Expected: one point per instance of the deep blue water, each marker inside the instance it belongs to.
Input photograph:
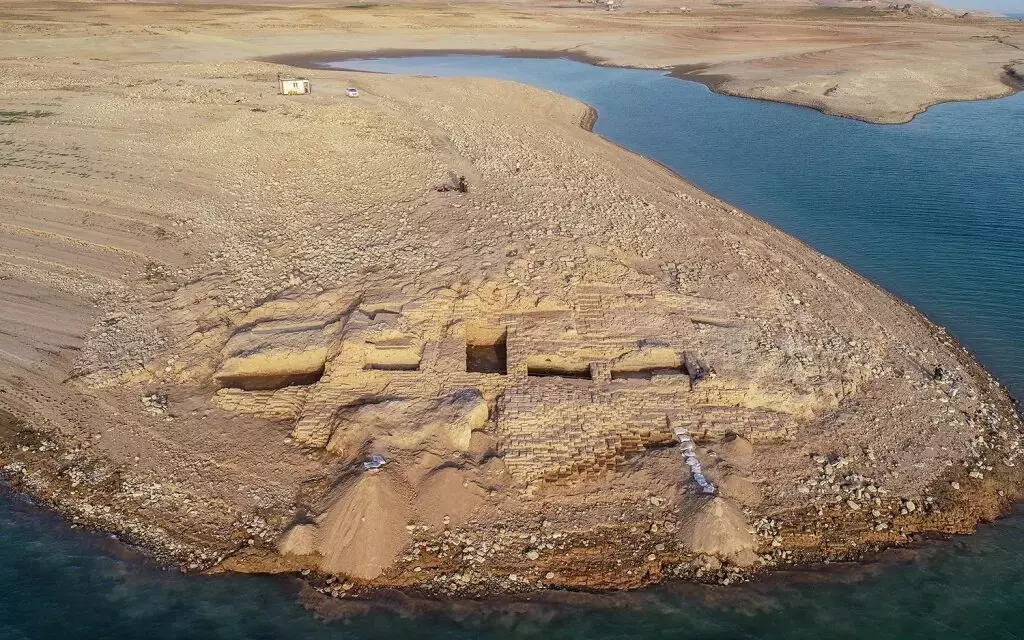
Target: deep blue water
(933, 210)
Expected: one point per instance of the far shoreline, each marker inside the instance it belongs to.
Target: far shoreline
(317, 60)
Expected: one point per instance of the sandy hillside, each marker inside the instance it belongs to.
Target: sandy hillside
(219, 304)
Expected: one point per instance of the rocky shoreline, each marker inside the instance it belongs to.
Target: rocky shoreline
(850, 519)
(271, 337)
(855, 521)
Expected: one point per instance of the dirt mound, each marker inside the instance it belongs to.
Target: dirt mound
(448, 492)
(361, 532)
(737, 451)
(717, 527)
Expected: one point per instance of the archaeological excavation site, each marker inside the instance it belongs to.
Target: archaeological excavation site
(573, 370)
(454, 394)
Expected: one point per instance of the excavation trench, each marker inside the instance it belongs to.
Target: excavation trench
(271, 382)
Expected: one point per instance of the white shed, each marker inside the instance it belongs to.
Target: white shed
(295, 86)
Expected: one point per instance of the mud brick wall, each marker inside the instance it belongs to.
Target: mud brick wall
(282, 404)
(548, 431)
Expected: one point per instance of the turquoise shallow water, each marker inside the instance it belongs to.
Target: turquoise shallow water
(933, 210)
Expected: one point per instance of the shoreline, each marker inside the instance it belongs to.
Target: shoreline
(606, 217)
(1001, 494)
(1000, 503)
(316, 60)
(826, 573)
(319, 602)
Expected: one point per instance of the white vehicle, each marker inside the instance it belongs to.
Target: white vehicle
(352, 92)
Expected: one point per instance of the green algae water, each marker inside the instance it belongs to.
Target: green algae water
(932, 210)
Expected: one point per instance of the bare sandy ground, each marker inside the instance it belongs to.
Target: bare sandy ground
(217, 302)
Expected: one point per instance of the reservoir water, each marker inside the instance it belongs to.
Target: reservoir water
(932, 210)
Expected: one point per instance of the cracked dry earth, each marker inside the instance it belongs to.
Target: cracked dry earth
(218, 303)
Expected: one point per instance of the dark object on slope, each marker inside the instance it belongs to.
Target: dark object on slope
(454, 183)
(697, 369)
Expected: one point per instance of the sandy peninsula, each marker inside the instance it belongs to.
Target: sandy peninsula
(440, 336)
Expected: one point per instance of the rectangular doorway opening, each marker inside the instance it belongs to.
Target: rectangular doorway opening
(486, 352)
